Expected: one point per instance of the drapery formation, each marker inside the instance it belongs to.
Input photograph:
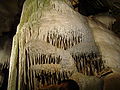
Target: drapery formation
(52, 43)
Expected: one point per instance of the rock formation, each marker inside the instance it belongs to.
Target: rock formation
(109, 46)
(52, 43)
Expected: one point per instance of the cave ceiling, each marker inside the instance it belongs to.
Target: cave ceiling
(10, 11)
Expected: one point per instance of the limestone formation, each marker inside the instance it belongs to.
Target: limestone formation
(108, 43)
(52, 43)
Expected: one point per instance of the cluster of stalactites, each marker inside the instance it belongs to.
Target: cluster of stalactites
(43, 59)
(89, 64)
(49, 78)
(63, 42)
(60, 37)
(42, 78)
(62, 33)
(4, 66)
(44, 69)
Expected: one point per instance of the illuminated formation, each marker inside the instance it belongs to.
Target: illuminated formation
(51, 44)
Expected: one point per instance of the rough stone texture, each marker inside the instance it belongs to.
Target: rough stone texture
(9, 19)
(50, 30)
(109, 44)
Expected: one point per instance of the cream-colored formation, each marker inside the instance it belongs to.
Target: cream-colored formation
(51, 44)
(108, 42)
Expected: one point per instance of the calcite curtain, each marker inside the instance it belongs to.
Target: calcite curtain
(52, 43)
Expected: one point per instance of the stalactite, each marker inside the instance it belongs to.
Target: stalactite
(51, 45)
(87, 64)
(54, 78)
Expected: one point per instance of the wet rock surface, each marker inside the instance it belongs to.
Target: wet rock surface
(10, 12)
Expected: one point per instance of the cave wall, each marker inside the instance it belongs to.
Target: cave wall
(10, 13)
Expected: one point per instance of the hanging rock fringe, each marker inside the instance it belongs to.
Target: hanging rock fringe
(46, 66)
(54, 42)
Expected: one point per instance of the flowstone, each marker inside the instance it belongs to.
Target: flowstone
(51, 44)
